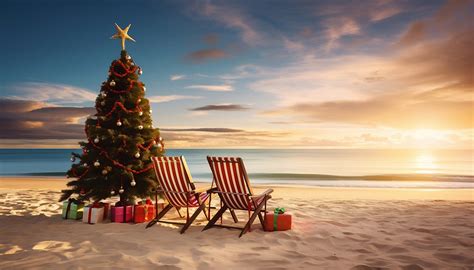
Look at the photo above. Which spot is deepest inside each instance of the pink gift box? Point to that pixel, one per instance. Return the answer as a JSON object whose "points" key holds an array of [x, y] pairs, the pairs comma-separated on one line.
{"points": [[121, 214]]}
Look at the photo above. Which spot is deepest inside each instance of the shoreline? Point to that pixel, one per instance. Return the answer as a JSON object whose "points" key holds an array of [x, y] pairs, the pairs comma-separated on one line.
{"points": [[298, 191]]}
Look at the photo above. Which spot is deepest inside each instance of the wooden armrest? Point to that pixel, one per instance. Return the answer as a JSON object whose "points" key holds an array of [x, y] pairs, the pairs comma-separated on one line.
{"points": [[265, 193], [212, 190], [202, 190]]}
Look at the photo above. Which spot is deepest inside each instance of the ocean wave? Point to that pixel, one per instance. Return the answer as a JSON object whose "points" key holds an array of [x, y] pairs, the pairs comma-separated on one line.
{"points": [[319, 177]]}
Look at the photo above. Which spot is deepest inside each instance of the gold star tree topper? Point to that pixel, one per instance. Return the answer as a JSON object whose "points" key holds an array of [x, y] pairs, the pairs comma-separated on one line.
{"points": [[122, 34]]}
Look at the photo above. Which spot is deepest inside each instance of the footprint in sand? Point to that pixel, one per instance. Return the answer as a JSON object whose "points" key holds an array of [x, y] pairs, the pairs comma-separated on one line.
{"points": [[169, 260], [364, 267], [54, 246], [412, 267]]}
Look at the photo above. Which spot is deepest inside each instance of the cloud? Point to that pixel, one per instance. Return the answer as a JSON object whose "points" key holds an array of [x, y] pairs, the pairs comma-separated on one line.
{"points": [[211, 39], [177, 77], [390, 110], [415, 33], [384, 13], [206, 54], [221, 107], [450, 9], [161, 99], [34, 120], [426, 85], [58, 94], [230, 17], [216, 88], [339, 27], [212, 130]]}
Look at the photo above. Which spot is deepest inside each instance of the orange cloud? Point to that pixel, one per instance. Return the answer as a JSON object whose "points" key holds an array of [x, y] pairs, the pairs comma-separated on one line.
{"points": [[206, 54]]}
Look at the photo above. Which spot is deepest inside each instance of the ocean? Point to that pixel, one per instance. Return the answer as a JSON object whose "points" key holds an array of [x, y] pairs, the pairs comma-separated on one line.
{"points": [[317, 167]]}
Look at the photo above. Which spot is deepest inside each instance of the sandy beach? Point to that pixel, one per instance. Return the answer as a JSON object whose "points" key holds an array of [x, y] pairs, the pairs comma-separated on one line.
{"points": [[333, 228]]}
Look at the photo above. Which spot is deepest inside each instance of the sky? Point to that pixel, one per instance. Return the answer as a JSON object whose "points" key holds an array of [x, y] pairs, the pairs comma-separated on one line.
{"points": [[247, 74]]}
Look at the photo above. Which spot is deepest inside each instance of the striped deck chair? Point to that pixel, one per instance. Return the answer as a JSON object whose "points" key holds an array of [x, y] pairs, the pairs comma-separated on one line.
{"points": [[178, 188], [235, 192]]}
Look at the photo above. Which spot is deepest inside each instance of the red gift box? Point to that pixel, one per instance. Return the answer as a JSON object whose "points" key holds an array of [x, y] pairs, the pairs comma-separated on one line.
{"points": [[144, 212], [121, 214], [106, 208], [277, 222]]}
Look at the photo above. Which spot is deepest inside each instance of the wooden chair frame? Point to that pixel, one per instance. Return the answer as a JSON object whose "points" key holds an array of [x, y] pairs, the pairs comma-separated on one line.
{"points": [[169, 206], [258, 208]]}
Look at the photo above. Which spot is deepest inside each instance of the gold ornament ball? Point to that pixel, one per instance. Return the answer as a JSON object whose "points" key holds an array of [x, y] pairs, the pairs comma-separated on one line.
{"points": [[137, 155], [121, 190], [97, 164], [140, 113], [140, 127], [144, 89], [96, 140], [104, 172], [119, 124], [133, 183], [112, 83], [112, 192]]}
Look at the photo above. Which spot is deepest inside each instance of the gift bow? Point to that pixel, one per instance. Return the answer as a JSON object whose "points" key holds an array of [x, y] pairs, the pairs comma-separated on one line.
{"points": [[278, 210]]}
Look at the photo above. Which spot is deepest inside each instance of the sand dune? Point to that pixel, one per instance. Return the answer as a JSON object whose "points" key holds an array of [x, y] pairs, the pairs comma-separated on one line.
{"points": [[328, 234]]}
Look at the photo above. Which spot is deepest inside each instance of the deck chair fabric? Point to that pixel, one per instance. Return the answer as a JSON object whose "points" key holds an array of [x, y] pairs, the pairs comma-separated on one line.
{"points": [[178, 188], [234, 189]]}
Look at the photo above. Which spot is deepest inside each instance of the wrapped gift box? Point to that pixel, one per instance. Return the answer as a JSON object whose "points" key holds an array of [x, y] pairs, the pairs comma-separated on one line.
{"points": [[93, 213], [280, 222], [72, 209], [144, 212], [121, 214], [107, 209]]}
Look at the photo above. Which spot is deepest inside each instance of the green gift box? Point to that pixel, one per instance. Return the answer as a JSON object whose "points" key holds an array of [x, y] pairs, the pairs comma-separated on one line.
{"points": [[72, 209]]}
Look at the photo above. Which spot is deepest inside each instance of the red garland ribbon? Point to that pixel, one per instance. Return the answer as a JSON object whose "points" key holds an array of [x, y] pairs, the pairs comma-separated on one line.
{"points": [[74, 174], [122, 91], [146, 148], [116, 163], [127, 71], [120, 104]]}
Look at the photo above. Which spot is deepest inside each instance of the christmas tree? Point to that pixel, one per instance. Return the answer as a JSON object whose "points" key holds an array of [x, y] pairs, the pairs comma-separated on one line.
{"points": [[115, 159]]}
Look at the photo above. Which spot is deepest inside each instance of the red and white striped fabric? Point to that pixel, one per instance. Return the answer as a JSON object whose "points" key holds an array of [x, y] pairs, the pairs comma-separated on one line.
{"points": [[173, 177], [231, 180]]}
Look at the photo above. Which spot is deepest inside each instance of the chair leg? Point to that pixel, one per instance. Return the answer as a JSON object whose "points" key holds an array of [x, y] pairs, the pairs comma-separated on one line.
{"points": [[215, 218], [179, 213], [159, 216], [252, 219], [192, 218], [260, 217], [234, 216]]}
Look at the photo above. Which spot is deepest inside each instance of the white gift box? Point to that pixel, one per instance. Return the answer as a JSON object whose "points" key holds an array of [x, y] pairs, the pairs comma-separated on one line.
{"points": [[96, 214]]}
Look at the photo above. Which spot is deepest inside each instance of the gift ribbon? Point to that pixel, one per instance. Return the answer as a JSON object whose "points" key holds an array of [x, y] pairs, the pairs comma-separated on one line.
{"points": [[146, 212], [124, 214], [277, 211], [89, 215]]}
